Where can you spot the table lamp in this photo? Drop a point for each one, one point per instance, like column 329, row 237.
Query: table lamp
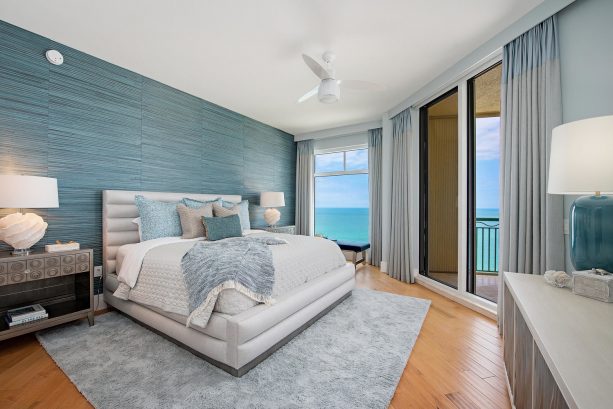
column 581, row 163
column 272, row 200
column 22, row 231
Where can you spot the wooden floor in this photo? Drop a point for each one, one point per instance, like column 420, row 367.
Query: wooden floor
column 456, row 362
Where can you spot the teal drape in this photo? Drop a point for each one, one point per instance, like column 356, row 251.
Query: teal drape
column 305, row 157
column 375, row 163
column 531, row 221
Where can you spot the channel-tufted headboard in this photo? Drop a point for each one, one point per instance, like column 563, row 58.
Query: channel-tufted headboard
column 118, row 211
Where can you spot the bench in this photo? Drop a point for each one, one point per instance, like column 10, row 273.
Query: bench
column 355, row 247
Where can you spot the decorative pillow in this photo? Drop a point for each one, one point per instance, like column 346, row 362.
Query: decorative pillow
column 158, row 219
column 218, row 228
column 191, row 220
column 195, row 204
column 243, row 212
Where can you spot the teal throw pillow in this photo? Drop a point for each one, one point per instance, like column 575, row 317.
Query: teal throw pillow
column 218, row 228
column 243, row 212
column 196, row 204
column 158, row 219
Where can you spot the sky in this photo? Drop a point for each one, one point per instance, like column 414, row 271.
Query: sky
column 487, row 167
column 352, row 190
column 342, row 191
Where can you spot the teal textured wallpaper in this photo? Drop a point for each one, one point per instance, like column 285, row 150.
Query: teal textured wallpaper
column 96, row 126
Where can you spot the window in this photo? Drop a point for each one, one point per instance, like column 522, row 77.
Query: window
column 483, row 184
column 341, row 195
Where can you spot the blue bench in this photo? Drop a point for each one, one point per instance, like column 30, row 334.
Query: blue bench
column 355, row 247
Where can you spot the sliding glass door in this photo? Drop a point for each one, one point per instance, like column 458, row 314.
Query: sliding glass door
column 439, row 189
column 483, row 92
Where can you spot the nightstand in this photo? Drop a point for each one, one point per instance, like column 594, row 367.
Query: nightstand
column 63, row 283
column 281, row 229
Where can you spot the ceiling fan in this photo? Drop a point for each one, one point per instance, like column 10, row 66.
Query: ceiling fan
column 329, row 90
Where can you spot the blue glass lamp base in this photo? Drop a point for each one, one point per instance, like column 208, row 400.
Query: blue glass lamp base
column 591, row 234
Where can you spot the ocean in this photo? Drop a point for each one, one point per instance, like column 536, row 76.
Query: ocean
column 351, row 224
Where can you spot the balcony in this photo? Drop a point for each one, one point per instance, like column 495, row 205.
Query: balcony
column 487, row 239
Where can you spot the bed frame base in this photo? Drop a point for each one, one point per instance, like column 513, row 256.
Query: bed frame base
column 255, row 361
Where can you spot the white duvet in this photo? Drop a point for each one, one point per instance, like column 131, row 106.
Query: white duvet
column 150, row 272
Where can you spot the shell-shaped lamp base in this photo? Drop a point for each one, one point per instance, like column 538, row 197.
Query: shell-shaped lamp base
column 22, row 231
column 272, row 216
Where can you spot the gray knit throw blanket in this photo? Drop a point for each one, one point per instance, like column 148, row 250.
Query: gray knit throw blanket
column 241, row 263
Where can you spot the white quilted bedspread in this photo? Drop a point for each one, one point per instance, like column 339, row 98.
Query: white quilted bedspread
column 160, row 282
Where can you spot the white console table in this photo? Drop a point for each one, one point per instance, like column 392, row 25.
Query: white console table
column 558, row 347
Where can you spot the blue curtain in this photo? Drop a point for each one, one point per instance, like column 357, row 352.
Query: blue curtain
column 531, row 221
column 399, row 257
column 375, row 147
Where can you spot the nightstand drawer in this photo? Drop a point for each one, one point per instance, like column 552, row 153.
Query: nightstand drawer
column 4, row 279
column 67, row 269
column 83, row 258
column 52, row 272
column 16, row 267
column 3, row 268
column 36, row 264
column 51, row 262
column 68, row 260
column 35, row 275
column 14, row 278
column 82, row 267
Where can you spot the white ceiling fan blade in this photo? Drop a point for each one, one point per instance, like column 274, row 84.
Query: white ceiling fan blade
column 309, row 94
column 317, row 69
column 358, row 85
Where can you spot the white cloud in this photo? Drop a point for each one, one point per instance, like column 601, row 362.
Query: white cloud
column 487, row 142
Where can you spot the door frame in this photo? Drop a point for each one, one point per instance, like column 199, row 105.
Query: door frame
column 423, row 182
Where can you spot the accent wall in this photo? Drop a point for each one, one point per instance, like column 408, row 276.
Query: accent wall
column 96, row 126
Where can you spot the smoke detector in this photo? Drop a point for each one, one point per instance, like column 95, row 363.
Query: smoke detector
column 54, row 57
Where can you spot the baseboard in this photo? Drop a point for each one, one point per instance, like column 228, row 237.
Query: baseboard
column 455, row 296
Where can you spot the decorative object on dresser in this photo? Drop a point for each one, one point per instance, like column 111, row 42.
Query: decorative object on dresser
column 581, row 164
column 281, row 229
column 557, row 347
column 59, row 246
column 557, row 278
column 61, row 283
column 271, row 200
column 18, row 230
column 595, row 283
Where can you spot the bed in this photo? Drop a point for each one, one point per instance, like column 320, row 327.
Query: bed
column 237, row 335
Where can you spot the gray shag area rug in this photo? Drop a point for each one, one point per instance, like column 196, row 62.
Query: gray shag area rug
column 352, row 357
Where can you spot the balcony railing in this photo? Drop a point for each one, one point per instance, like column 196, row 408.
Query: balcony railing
column 486, row 239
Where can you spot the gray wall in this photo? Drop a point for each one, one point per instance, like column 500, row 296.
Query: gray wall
column 586, row 57
column 96, row 126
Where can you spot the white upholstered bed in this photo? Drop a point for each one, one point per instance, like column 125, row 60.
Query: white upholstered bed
column 234, row 343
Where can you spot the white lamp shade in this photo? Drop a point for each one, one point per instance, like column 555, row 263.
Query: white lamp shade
column 272, row 199
column 581, row 157
column 28, row 192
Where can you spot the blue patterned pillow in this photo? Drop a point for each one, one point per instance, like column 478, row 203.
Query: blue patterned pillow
column 218, row 228
column 243, row 212
column 196, row 204
column 158, row 219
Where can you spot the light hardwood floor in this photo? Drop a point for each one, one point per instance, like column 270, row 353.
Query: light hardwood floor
column 456, row 362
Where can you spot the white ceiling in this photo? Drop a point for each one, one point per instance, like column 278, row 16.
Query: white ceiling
column 246, row 54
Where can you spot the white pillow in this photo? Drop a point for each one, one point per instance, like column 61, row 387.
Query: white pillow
column 137, row 222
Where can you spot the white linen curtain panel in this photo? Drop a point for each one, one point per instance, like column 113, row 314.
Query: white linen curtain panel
column 399, row 257
column 375, row 146
column 305, row 158
column 531, row 221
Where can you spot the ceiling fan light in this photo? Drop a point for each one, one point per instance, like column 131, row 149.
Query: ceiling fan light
column 329, row 91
